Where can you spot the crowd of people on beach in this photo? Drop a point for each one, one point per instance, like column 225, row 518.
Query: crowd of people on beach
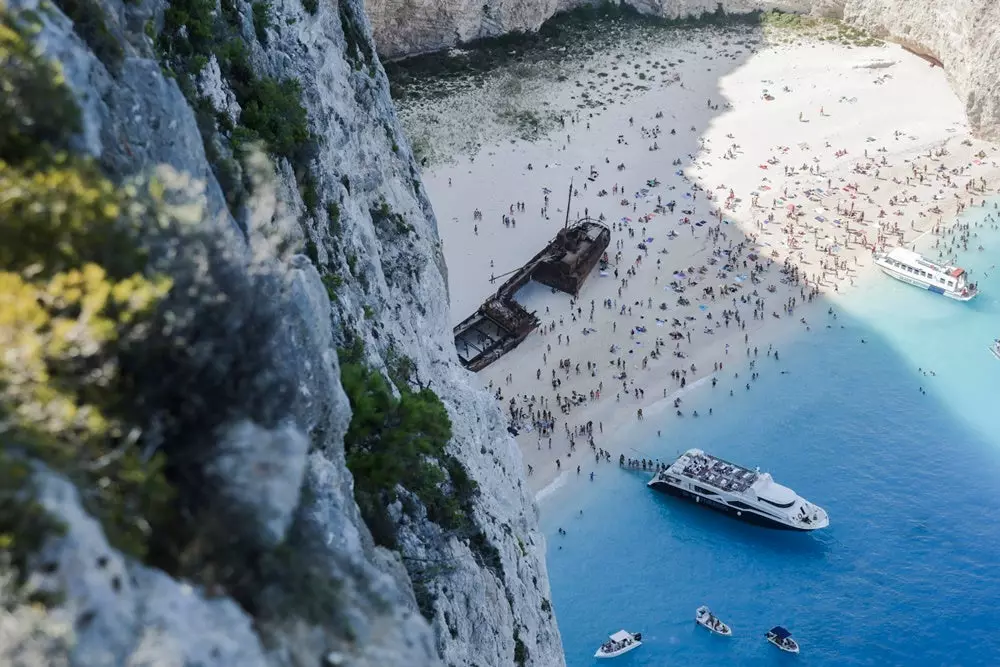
column 806, row 230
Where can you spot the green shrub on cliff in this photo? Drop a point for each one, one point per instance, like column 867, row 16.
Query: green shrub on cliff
column 73, row 295
column 37, row 114
column 73, row 291
column 133, row 333
column 272, row 111
column 261, row 19
column 402, row 441
column 90, row 23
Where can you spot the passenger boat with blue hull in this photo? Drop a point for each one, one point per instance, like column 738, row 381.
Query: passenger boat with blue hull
column 748, row 495
column 915, row 269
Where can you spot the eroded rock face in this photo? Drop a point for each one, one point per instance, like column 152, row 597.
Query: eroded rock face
column 408, row 27
column 383, row 242
column 962, row 34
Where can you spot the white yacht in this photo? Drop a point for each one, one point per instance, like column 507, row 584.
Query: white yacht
column 619, row 643
column 913, row 268
column 995, row 348
column 748, row 495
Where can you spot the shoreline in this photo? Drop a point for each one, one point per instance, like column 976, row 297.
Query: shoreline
column 722, row 171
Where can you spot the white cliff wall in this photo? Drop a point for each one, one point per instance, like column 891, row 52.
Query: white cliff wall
column 393, row 294
column 407, row 27
column 963, row 34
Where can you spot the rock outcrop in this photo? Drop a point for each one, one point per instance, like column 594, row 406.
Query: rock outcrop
column 962, row 34
column 408, row 27
column 370, row 235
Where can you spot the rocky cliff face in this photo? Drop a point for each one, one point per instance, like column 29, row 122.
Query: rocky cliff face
column 369, row 231
column 962, row 34
column 408, row 27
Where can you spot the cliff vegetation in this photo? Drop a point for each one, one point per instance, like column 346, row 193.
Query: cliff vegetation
column 118, row 308
column 186, row 470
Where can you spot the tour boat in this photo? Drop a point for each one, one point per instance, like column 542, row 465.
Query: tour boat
column 995, row 348
column 782, row 638
column 706, row 619
column 619, row 643
column 913, row 268
column 748, row 495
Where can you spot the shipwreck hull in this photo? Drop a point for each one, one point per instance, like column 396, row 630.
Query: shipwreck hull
column 501, row 323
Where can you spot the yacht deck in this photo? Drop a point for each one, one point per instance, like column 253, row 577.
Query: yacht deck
column 916, row 260
column 716, row 472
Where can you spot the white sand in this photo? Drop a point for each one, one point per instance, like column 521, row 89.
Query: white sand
column 866, row 95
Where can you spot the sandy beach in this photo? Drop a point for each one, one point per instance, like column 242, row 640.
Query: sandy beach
column 743, row 177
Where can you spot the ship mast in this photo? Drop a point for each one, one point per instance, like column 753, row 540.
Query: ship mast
column 569, row 200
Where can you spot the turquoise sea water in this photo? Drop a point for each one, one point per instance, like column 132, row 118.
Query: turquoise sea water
column 908, row 573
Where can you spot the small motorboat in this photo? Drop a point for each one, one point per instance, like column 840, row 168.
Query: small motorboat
column 619, row 643
column 706, row 619
column 782, row 638
column 995, row 348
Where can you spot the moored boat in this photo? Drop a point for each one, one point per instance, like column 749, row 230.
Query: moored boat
column 995, row 348
column 782, row 638
column 619, row 643
column 706, row 619
column 915, row 269
column 748, row 495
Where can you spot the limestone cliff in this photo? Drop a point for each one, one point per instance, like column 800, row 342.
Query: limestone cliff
column 408, row 27
column 962, row 34
column 186, row 84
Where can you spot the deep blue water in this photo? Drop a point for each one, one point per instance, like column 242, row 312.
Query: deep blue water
column 908, row 573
